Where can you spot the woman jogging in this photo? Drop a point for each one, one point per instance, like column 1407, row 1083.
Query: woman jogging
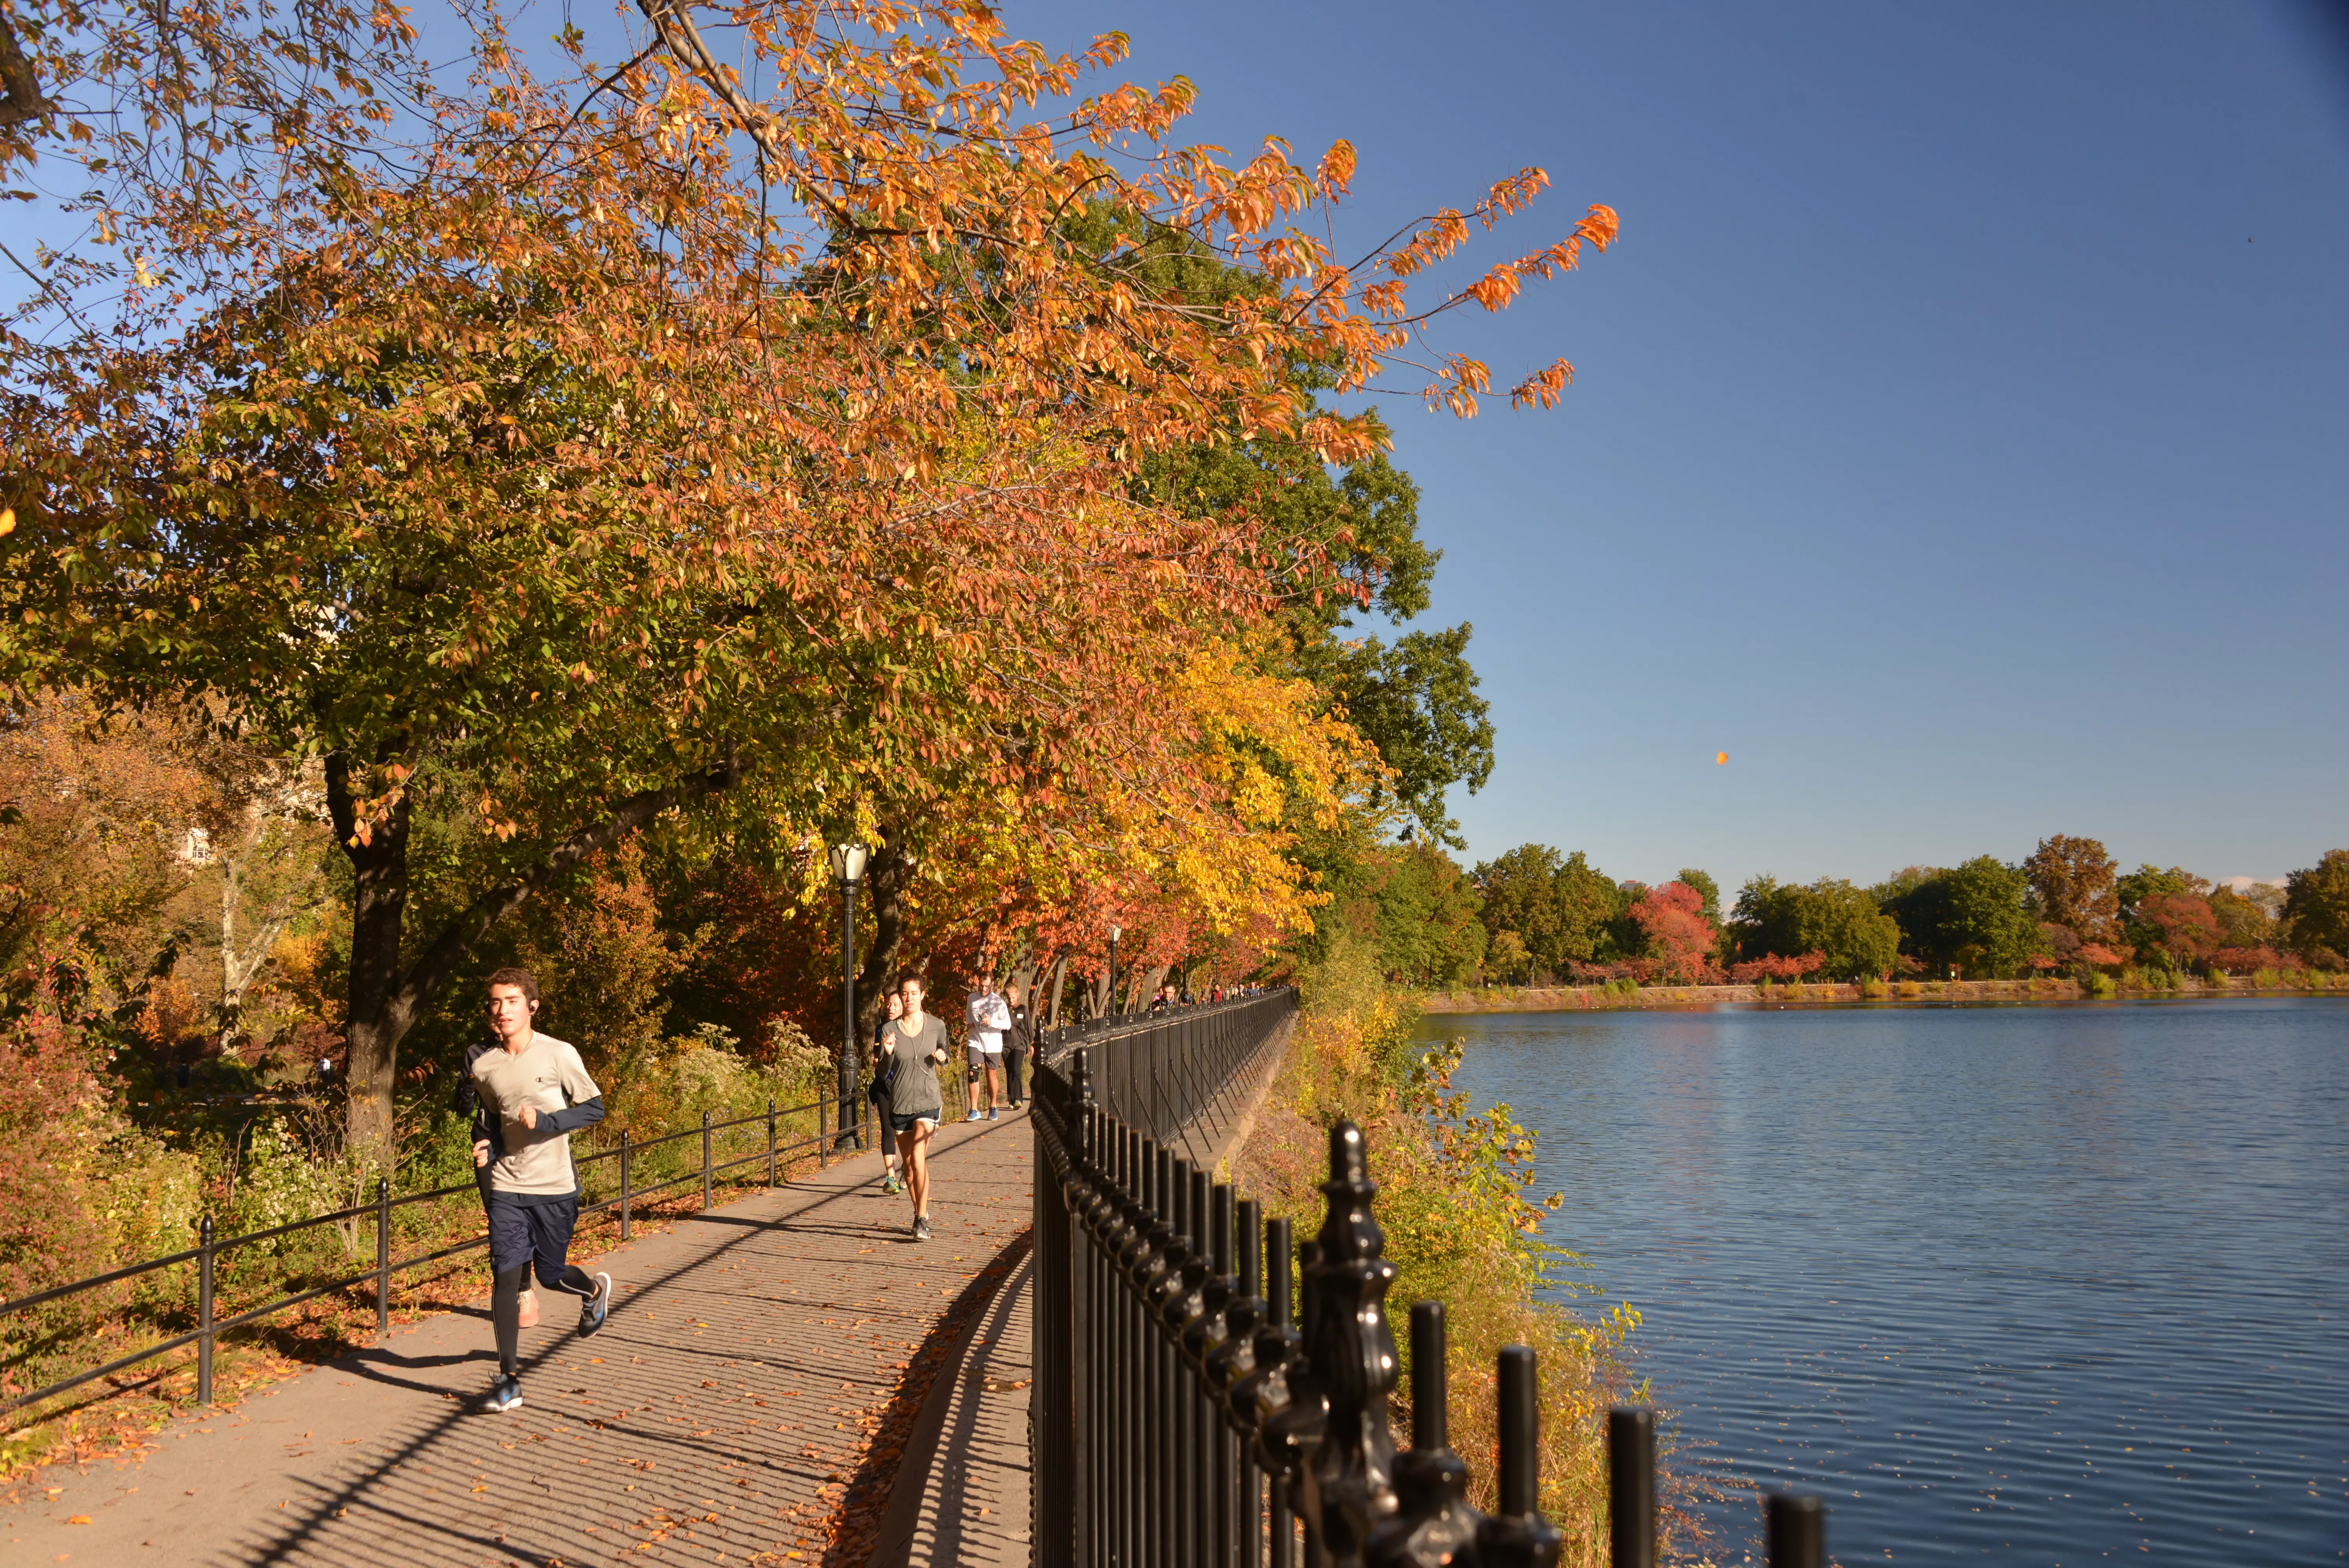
column 534, row 1093
column 912, row 1049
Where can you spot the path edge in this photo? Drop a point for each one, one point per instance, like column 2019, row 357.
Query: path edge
column 901, row 1518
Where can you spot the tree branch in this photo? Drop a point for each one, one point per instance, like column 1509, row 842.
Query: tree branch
column 457, row 938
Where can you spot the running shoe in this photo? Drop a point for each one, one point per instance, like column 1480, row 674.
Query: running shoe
column 992, row 1113
column 921, row 1233
column 596, row 1307
column 976, row 1115
column 891, row 1186
column 505, row 1394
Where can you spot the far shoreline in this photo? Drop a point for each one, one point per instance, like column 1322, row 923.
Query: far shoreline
column 1603, row 997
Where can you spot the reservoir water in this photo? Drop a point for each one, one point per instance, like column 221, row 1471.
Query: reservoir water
column 2043, row 1285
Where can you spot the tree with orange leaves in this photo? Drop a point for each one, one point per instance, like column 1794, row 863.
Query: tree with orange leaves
column 533, row 445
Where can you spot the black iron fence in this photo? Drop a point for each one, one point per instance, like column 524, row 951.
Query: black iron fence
column 723, row 1148
column 1184, row 1417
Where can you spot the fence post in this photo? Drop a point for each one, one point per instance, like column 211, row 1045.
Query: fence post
column 205, row 1313
column 705, row 1160
column 1518, row 1535
column 1795, row 1525
column 1631, row 1486
column 822, row 1152
column 624, row 1183
column 382, row 1255
column 770, row 1143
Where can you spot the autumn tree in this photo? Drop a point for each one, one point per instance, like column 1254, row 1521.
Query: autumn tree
column 545, row 464
column 2072, row 885
column 2180, row 930
column 1675, row 934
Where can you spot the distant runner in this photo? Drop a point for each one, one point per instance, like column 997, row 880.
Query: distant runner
column 1016, row 1040
column 534, row 1092
column 912, row 1049
column 988, row 1016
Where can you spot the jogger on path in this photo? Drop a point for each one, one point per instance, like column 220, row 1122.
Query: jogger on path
column 912, row 1049
column 535, row 1092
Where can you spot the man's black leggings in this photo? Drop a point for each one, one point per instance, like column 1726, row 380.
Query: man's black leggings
column 522, row 1234
column 505, row 1305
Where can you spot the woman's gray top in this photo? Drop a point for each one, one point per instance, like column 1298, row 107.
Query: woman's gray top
column 914, row 1091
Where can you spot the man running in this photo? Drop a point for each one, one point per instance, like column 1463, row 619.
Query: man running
column 988, row 1017
column 916, row 1045
column 535, row 1092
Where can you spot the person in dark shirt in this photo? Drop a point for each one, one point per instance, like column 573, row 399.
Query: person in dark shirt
column 1016, row 1041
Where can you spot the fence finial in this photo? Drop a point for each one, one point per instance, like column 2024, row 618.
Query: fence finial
column 1350, row 1481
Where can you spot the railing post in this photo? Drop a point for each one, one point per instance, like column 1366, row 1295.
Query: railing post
column 205, row 1313
column 1432, row 1520
column 705, row 1160
column 1518, row 1536
column 1796, row 1526
column 382, row 1255
column 823, row 1154
column 1631, row 1486
column 770, row 1143
column 624, row 1183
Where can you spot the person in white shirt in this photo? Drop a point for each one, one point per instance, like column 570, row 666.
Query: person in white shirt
column 988, row 1016
column 534, row 1092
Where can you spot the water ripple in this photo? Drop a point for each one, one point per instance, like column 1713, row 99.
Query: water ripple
column 2051, row 1285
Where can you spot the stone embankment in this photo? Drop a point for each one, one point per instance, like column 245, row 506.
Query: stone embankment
column 1899, row 993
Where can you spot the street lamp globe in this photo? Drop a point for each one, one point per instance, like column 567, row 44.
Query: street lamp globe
column 848, row 861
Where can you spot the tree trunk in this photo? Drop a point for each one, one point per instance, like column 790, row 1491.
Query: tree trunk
column 886, row 872
column 386, row 997
column 378, row 916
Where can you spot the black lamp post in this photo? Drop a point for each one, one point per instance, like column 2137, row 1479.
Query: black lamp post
column 848, row 865
column 1114, row 932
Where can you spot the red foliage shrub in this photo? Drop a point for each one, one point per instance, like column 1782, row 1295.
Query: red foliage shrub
column 1772, row 968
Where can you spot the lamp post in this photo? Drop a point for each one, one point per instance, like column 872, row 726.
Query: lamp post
column 1114, row 932
column 848, row 865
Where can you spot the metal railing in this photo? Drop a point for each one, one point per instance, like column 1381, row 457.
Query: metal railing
column 776, row 1153
column 1184, row 1419
column 1162, row 1071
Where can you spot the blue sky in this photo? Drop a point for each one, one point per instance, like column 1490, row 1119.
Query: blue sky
column 1960, row 437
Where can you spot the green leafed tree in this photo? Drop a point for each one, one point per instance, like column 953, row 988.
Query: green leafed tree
column 1563, row 909
column 1411, row 904
column 1972, row 915
column 2316, row 910
column 1786, row 919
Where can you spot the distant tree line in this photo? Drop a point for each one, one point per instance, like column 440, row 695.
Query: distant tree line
column 1535, row 916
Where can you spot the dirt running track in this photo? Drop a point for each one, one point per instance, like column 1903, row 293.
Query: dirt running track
column 722, row 1417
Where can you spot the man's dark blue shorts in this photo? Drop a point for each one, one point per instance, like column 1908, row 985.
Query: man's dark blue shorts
column 540, row 1232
